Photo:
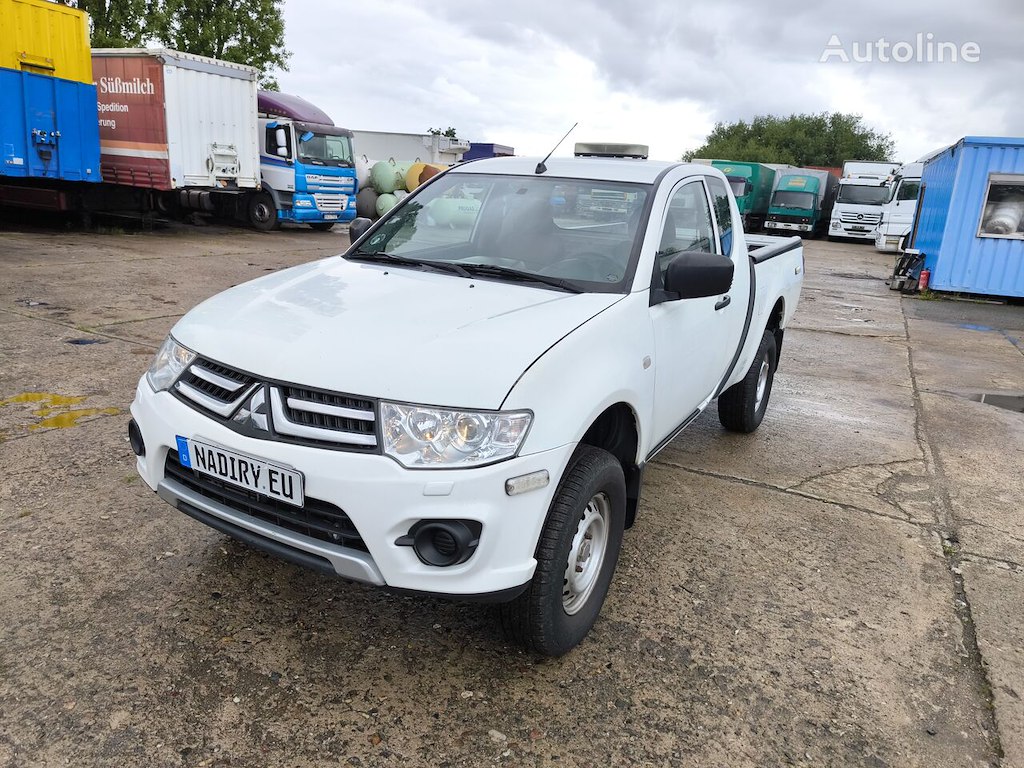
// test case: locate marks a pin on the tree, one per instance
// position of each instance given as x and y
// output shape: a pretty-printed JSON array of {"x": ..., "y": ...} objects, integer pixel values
[
  {"x": 826, "y": 139},
  {"x": 243, "y": 31},
  {"x": 116, "y": 23},
  {"x": 448, "y": 132}
]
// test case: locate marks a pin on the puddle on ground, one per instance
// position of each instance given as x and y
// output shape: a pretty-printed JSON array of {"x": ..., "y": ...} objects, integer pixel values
[
  {"x": 57, "y": 411},
  {"x": 83, "y": 342},
  {"x": 973, "y": 327},
  {"x": 1009, "y": 402}
]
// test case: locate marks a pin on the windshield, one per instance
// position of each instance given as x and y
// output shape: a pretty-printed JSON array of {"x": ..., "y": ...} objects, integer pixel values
[
  {"x": 581, "y": 232},
  {"x": 321, "y": 149},
  {"x": 862, "y": 195},
  {"x": 801, "y": 200},
  {"x": 738, "y": 185}
]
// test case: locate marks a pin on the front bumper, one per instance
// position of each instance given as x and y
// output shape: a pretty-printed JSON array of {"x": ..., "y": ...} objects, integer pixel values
[
  {"x": 382, "y": 499},
  {"x": 788, "y": 225}
]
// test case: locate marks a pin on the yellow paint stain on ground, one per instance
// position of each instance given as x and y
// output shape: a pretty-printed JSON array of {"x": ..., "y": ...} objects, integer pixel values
[
  {"x": 50, "y": 400},
  {"x": 57, "y": 411},
  {"x": 71, "y": 418}
]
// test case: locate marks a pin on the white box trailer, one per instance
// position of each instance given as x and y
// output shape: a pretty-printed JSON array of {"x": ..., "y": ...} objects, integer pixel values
[
  {"x": 416, "y": 147},
  {"x": 175, "y": 121}
]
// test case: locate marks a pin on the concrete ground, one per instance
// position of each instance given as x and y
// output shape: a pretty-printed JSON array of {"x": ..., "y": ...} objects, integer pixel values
[{"x": 843, "y": 587}]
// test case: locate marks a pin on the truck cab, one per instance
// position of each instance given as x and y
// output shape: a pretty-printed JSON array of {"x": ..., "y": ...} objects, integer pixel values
[
  {"x": 897, "y": 215},
  {"x": 795, "y": 204},
  {"x": 858, "y": 207},
  {"x": 307, "y": 166}
]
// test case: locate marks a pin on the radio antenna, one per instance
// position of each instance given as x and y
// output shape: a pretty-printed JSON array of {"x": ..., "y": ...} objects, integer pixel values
[{"x": 541, "y": 168}]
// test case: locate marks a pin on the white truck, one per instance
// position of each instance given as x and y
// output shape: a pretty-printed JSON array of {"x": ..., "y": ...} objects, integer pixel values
[
  {"x": 863, "y": 190},
  {"x": 463, "y": 403},
  {"x": 898, "y": 212}
]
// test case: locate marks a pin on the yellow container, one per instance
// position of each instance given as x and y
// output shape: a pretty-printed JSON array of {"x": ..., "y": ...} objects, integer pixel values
[{"x": 45, "y": 38}]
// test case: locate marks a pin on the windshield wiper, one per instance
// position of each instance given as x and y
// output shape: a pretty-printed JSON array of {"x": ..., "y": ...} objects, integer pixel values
[
  {"x": 493, "y": 270},
  {"x": 383, "y": 257}
]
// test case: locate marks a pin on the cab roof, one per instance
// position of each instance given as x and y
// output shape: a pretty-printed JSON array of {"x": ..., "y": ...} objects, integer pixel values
[{"x": 611, "y": 169}]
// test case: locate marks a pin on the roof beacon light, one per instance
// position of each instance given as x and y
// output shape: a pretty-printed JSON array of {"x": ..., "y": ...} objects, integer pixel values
[{"x": 633, "y": 151}]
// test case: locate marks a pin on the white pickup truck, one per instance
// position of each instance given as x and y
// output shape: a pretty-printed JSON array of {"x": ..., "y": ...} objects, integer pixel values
[{"x": 463, "y": 403}]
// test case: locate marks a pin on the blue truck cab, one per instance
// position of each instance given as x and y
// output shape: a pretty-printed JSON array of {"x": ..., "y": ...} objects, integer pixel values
[{"x": 306, "y": 165}]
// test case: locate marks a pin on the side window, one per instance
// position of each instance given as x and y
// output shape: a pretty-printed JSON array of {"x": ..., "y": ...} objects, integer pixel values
[
  {"x": 723, "y": 213},
  {"x": 273, "y": 145},
  {"x": 687, "y": 227}
]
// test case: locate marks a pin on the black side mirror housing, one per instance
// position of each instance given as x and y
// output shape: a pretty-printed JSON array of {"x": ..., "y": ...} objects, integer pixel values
[
  {"x": 358, "y": 228},
  {"x": 697, "y": 274}
]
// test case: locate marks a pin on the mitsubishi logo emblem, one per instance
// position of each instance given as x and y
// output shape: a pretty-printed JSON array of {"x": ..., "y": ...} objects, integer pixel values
[{"x": 254, "y": 412}]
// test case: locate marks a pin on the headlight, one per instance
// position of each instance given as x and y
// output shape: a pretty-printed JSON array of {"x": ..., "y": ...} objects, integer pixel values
[
  {"x": 421, "y": 437},
  {"x": 170, "y": 361},
  {"x": 303, "y": 203}
]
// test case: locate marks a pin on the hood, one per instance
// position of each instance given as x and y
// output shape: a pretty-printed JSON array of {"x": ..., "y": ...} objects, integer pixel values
[{"x": 388, "y": 332}]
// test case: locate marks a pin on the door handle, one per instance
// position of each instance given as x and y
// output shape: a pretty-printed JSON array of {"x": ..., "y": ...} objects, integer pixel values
[{"x": 722, "y": 303}]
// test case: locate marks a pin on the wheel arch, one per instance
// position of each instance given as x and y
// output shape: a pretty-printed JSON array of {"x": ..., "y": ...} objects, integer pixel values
[{"x": 616, "y": 430}]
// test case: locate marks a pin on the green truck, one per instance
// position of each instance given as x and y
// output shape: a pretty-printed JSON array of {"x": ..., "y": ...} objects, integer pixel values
[
  {"x": 802, "y": 202},
  {"x": 752, "y": 185}
]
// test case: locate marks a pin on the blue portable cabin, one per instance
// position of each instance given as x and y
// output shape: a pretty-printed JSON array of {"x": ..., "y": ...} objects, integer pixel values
[
  {"x": 970, "y": 217},
  {"x": 49, "y": 128}
]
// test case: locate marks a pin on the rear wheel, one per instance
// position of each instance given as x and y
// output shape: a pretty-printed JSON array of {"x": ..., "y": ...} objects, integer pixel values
[
  {"x": 263, "y": 212},
  {"x": 576, "y": 557},
  {"x": 741, "y": 407}
]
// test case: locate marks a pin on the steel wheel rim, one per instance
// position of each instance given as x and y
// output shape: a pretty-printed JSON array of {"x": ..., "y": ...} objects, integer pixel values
[
  {"x": 261, "y": 212},
  {"x": 586, "y": 554},
  {"x": 762, "y": 382}
]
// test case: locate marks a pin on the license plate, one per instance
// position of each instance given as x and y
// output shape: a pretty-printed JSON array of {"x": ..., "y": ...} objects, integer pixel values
[
  {"x": 330, "y": 216},
  {"x": 237, "y": 469}
]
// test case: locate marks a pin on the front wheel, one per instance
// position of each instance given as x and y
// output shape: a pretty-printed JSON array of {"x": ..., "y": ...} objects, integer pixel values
[
  {"x": 741, "y": 407},
  {"x": 576, "y": 556},
  {"x": 263, "y": 212}
]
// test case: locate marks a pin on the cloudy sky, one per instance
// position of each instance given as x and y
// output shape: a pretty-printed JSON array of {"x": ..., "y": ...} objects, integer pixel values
[{"x": 659, "y": 72}]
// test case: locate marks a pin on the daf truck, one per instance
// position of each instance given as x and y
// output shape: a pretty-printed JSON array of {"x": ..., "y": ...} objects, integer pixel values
[{"x": 307, "y": 167}]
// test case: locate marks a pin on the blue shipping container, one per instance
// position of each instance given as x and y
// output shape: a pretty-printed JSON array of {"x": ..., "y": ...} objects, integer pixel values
[
  {"x": 970, "y": 218},
  {"x": 477, "y": 151},
  {"x": 49, "y": 128}
]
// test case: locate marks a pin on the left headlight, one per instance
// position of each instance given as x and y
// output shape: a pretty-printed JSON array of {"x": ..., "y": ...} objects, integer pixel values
[
  {"x": 422, "y": 437},
  {"x": 171, "y": 359}
]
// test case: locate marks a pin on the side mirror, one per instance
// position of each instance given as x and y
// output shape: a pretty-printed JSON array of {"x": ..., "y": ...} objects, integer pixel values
[
  {"x": 696, "y": 274},
  {"x": 358, "y": 228},
  {"x": 282, "y": 151}
]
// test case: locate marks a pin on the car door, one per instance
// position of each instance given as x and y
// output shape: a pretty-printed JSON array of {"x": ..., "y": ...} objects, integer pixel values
[{"x": 695, "y": 339}]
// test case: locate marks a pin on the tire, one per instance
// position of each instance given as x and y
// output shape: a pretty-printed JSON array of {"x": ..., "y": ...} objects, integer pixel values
[
  {"x": 584, "y": 526},
  {"x": 325, "y": 226},
  {"x": 263, "y": 213},
  {"x": 741, "y": 407}
]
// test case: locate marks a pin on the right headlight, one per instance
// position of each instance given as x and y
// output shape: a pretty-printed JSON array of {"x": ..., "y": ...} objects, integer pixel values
[
  {"x": 423, "y": 437},
  {"x": 170, "y": 361}
]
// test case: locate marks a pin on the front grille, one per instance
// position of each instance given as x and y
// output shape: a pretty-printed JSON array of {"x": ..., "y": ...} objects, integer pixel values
[
  {"x": 219, "y": 382},
  {"x": 867, "y": 219},
  {"x": 330, "y": 202},
  {"x": 316, "y": 519},
  {"x": 343, "y": 413},
  {"x": 296, "y": 414}
]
